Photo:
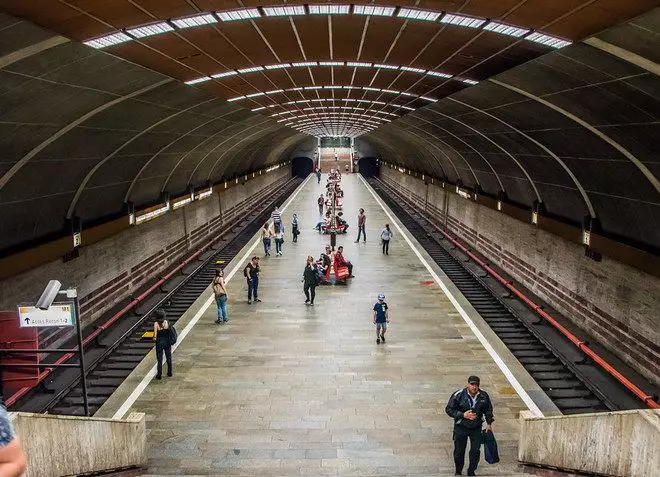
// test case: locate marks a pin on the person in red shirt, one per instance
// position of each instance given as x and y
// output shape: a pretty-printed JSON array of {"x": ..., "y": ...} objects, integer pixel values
[{"x": 340, "y": 261}]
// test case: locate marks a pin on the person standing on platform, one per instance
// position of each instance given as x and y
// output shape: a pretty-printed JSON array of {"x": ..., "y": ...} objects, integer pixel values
[
  {"x": 251, "y": 273},
  {"x": 295, "y": 227},
  {"x": 362, "y": 222},
  {"x": 385, "y": 237},
  {"x": 163, "y": 339},
  {"x": 318, "y": 175},
  {"x": 266, "y": 234},
  {"x": 12, "y": 459},
  {"x": 276, "y": 215},
  {"x": 220, "y": 293},
  {"x": 279, "y": 239},
  {"x": 310, "y": 280},
  {"x": 320, "y": 201},
  {"x": 381, "y": 318},
  {"x": 469, "y": 407}
]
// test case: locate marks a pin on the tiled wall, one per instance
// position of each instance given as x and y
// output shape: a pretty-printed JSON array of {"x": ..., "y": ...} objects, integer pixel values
[{"x": 615, "y": 303}]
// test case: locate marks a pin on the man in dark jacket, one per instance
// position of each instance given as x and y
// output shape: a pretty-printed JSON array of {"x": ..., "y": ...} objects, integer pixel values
[{"x": 468, "y": 407}]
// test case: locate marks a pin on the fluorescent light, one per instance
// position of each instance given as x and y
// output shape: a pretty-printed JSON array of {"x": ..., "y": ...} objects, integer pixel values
[
  {"x": 239, "y": 14},
  {"x": 151, "y": 215},
  {"x": 358, "y": 64},
  {"x": 235, "y": 98},
  {"x": 461, "y": 20},
  {"x": 197, "y": 20},
  {"x": 332, "y": 87},
  {"x": 469, "y": 81},
  {"x": 181, "y": 203},
  {"x": 369, "y": 88},
  {"x": 150, "y": 30},
  {"x": 413, "y": 70},
  {"x": 254, "y": 95},
  {"x": 428, "y": 99},
  {"x": 278, "y": 66},
  {"x": 108, "y": 40},
  {"x": 258, "y": 109},
  {"x": 305, "y": 63},
  {"x": 329, "y": 9},
  {"x": 274, "y": 91},
  {"x": 284, "y": 11},
  {"x": 331, "y": 63},
  {"x": 222, "y": 75},
  {"x": 404, "y": 107},
  {"x": 551, "y": 41},
  {"x": 377, "y": 102},
  {"x": 198, "y": 80},
  {"x": 386, "y": 67},
  {"x": 418, "y": 14},
  {"x": 437, "y": 73},
  {"x": 251, "y": 69},
  {"x": 505, "y": 29},
  {"x": 373, "y": 10},
  {"x": 391, "y": 91},
  {"x": 403, "y": 93},
  {"x": 297, "y": 88},
  {"x": 313, "y": 87}
]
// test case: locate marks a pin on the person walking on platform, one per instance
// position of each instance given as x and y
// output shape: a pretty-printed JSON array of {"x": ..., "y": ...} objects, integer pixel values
[
  {"x": 469, "y": 407},
  {"x": 12, "y": 459},
  {"x": 385, "y": 237},
  {"x": 320, "y": 201},
  {"x": 381, "y": 318},
  {"x": 251, "y": 272},
  {"x": 295, "y": 227},
  {"x": 279, "y": 239},
  {"x": 276, "y": 215},
  {"x": 318, "y": 175},
  {"x": 266, "y": 234},
  {"x": 362, "y": 221},
  {"x": 310, "y": 280},
  {"x": 220, "y": 293},
  {"x": 163, "y": 339}
]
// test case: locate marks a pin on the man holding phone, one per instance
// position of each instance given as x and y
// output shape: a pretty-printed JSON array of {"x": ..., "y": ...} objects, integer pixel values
[{"x": 469, "y": 407}]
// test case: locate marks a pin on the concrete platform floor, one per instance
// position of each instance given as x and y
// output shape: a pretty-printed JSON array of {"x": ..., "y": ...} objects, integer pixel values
[{"x": 285, "y": 389}]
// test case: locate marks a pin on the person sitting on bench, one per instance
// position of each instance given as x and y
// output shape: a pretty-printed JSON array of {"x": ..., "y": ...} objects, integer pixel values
[
  {"x": 340, "y": 261},
  {"x": 341, "y": 223},
  {"x": 325, "y": 261}
]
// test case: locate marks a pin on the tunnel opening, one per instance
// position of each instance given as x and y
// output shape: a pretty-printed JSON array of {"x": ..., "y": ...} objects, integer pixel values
[
  {"x": 302, "y": 167},
  {"x": 369, "y": 166}
]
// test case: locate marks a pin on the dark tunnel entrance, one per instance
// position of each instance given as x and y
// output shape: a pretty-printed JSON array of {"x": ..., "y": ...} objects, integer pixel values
[
  {"x": 369, "y": 166},
  {"x": 302, "y": 166}
]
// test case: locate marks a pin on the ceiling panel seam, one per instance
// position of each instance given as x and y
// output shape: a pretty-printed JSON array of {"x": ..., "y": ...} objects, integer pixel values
[
  {"x": 31, "y": 50},
  {"x": 36, "y": 150},
  {"x": 625, "y": 152}
]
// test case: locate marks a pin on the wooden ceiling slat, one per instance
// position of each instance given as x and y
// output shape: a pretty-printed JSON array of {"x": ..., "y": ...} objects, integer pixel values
[
  {"x": 245, "y": 37},
  {"x": 209, "y": 40},
  {"x": 168, "y": 8},
  {"x": 415, "y": 36},
  {"x": 313, "y": 32},
  {"x": 279, "y": 34},
  {"x": 443, "y": 47},
  {"x": 346, "y": 35},
  {"x": 380, "y": 35}
]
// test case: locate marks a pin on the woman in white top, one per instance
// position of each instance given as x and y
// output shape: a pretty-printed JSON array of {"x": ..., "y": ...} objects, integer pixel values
[{"x": 385, "y": 237}]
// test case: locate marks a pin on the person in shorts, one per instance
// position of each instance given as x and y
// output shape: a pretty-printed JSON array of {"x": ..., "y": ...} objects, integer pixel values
[{"x": 381, "y": 318}]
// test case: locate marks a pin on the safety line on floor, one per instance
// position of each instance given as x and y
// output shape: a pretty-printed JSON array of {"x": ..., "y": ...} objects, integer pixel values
[
  {"x": 529, "y": 402},
  {"x": 139, "y": 389}
]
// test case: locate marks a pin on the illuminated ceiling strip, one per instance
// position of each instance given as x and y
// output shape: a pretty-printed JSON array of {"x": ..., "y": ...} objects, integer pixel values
[
  {"x": 418, "y": 14},
  {"x": 226, "y": 73},
  {"x": 364, "y": 88},
  {"x": 278, "y": 66},
  {"x": 108, "y": 40},
  {"x": 150, "y": 30},
  {"x": 198, "y": 20},
  {"x": 329, "y": 9},
  {"x": 198, "y": 80},
  {"x": 373, "y": 10},
  {"x": 244, "y": 14},
  {"x": 284, "y": 11},
  {"x": 460, "y": 20},
  {"x": 551, "y": 41},
  {"x": 504, "y": 29}
]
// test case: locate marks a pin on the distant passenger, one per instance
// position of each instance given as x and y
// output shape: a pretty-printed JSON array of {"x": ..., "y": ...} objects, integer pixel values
[
  {"x": 251, "y": 273},
  {"x": 220, "y": 293},
  {"x": 318, "y": 175},
  {"x": 276, "y": 215},
  {"x": 469, "y": 407},
  {"x": 346, "y": 168},
  {"x": 163, "y": 339},
  {"x": 381, "y": 318},
  {"x": 12, "y": 459},
  {"x": 295, "y": 227},
  {"x": 361, "y": 221},
  {"x": 279, "y": 239},
  {"x": 266, "y": 234},
  {"x": 310, "y": 280},
  {"x": 385, "y": 237},
  {"x": 340, "y": 261},
  {"x": 320, "y": 201}
]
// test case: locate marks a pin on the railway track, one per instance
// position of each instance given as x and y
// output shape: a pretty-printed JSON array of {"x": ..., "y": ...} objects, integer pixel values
[
  {"x": 112, "y": 359},
  {"x": 568, "y": 384}
]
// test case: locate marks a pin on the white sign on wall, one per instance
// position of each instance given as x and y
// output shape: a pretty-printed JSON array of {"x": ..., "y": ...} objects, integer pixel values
[{"x": 57, "y": 315}]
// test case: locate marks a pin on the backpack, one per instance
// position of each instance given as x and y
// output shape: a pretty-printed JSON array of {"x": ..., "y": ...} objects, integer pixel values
[{"x": 173, "y": 335}]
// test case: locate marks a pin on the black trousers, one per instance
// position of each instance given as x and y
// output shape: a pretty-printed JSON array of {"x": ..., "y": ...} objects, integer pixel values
[
  {"x": 310, "y": 292},
  {"x": 252, "y": 288},
  {"x": 386, "y": 247},
  {"x": 363, "y": 232},
  {"x": 350, "y": 268},
  {"x": 167, "y": 349},
  {"x": 321, "y": 209},
  {"x": 461, "y": 435}
]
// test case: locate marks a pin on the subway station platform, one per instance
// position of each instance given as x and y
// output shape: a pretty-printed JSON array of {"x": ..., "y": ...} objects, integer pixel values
[{"x": 286, "y": 389}]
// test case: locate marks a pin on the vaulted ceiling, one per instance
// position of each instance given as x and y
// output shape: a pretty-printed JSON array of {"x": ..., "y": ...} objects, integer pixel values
[{"x": 109, "y": 102}]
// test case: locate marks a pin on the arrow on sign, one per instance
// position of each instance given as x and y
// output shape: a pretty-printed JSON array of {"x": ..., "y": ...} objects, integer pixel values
[{"x": 27, "y": 321}]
